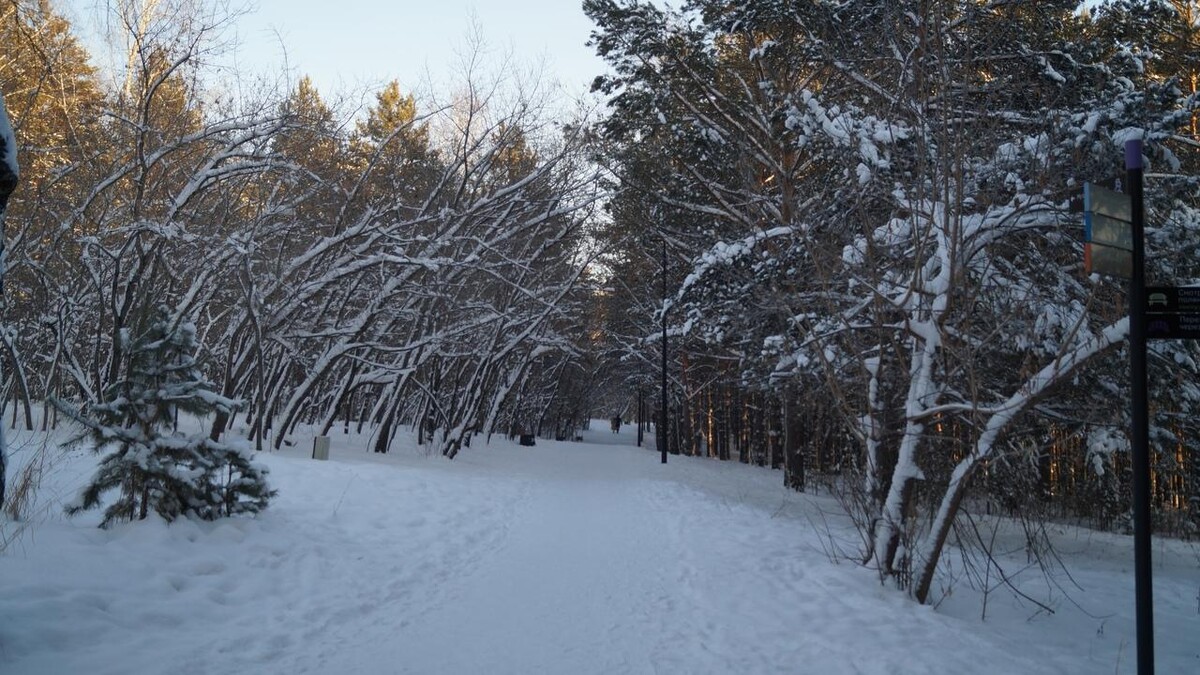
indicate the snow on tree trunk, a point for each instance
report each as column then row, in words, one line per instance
column 928, row 550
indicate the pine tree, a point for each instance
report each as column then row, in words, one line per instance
column 153, row 467
column 391, row 149
column 314, row 142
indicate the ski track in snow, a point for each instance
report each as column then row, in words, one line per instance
column 564, row 558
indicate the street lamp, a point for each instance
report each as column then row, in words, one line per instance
column 641, row 415
column 662, row 432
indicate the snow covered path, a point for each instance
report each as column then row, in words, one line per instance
column 568, row 558
column 578, row 584
column 612, row 567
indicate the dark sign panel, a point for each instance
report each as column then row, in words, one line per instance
column 1173, row 326
column 1172, row 299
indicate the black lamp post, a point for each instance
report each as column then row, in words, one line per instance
column 641, row 416
column 662, row 431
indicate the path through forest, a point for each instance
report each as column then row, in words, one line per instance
column 588, row 557
column 613, row 563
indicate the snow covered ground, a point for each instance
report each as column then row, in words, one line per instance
column 562, row 558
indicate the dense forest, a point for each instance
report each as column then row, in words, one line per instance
column 853, row 219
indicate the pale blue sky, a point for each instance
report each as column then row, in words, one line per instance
column 360, row 42
column 349, row 46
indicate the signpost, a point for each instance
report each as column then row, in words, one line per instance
column 1140, row 412
column 1114, row 232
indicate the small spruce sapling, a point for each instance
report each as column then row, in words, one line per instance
column 154, row 467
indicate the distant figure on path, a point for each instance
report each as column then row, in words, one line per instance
column 616, row 424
